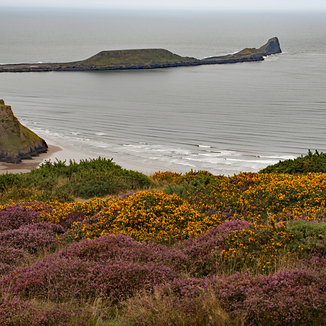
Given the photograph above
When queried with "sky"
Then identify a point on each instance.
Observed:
(211, 5)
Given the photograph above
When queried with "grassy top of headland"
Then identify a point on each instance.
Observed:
(248, 51)
(141, 56)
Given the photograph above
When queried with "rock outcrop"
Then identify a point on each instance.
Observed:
(145, 59)
(16, 141)
(247, 54)
(271, 47)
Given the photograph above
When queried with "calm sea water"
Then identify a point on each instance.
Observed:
(220, 118)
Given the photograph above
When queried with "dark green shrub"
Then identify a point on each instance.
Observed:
(304, 164)
(88, 178)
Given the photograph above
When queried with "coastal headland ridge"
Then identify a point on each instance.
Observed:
(145, 59)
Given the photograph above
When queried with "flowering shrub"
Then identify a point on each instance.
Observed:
(285, 298)
(188, 287)
(11, 257)
(209, 250)
(257, 248)
(199, 250)
(16, 312)
(166, 177)
(257, 197)
(61, 279)
(114, 249)
(14, 216)
(147, 217)
(32, 237)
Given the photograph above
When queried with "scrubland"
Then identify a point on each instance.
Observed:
(94, 244)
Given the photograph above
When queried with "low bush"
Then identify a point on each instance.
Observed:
(62, 279)
(60, 181)
(16, 312)
(310, 236)
(199, 251)
(11, 257)
(209, 250)
(14, 216)
(144, 216)
(285, 298)
(32, 237)
(301, 165)
(110, 249)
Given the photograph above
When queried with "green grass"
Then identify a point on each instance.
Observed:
(248, 51)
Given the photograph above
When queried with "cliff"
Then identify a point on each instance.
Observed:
(145, 59)
(16, 141)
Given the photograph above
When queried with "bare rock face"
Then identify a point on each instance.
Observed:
(16, 141)
(271, 47)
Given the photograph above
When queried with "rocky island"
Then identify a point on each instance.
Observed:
(145, 59)
(16, 141)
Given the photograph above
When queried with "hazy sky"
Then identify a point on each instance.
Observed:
(248, 5)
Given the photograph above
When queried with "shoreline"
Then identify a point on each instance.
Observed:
(27, 165)
(58, 152)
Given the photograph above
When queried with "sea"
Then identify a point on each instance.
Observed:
(224, 119)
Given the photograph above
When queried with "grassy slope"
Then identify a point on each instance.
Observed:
(248, 51)
(14, 136)
(142, 56)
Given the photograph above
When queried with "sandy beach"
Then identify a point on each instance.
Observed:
(28, 165)
(58, 152)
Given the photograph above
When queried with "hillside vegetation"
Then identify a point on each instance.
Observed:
(127, 57)
(94, 244)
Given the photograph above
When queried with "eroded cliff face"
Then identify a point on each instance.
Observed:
(271, 47)
(16, 141)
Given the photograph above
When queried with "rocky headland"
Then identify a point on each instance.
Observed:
(145, 59)
(16, 141)
(247, 54)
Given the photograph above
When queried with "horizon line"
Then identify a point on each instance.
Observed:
(161, 10)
